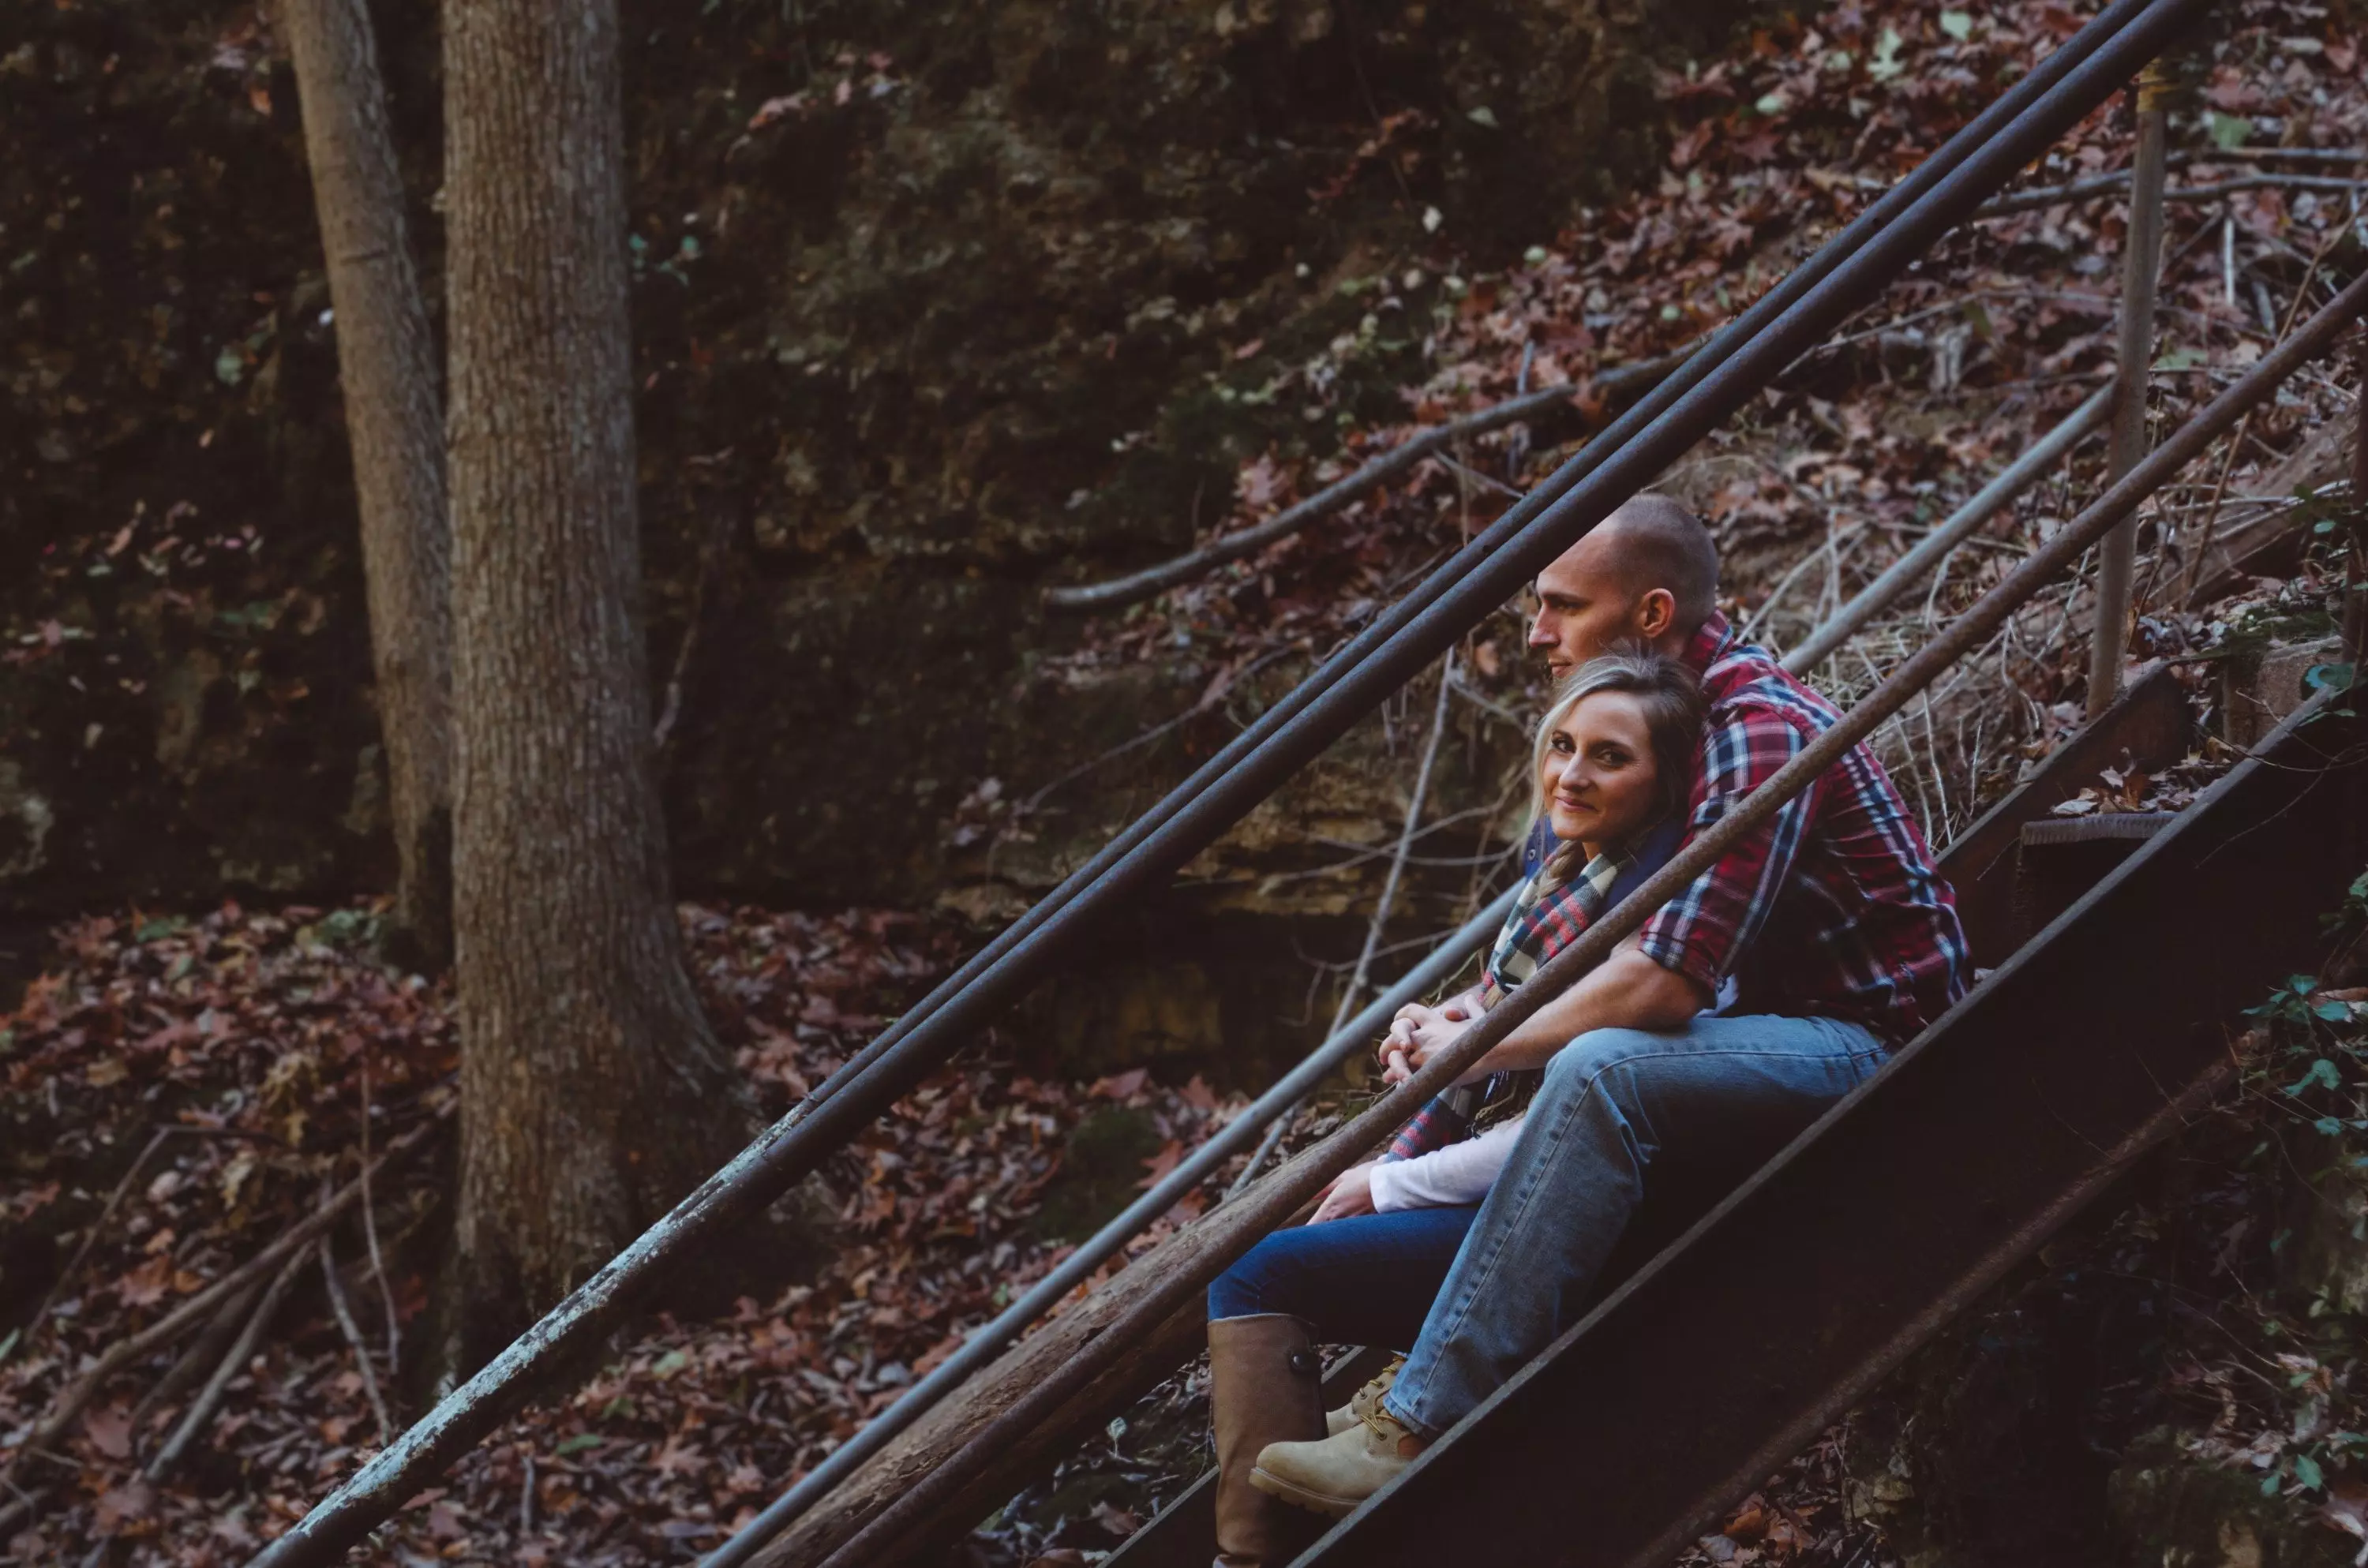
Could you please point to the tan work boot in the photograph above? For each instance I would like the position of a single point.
(1263, 1389)
(1366, 1398)
(1334, 1475)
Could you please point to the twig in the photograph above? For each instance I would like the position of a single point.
(173, 1325)
(2192, 577)
(353, 1332)
(1208, 700)
(1625, 381)
(202, 1353)
(2107, 184)
(25, 1503)
(1351, 992)
(1783, 585)
(90, 1232)
(201, 1409)
(1465, 470)
(2272, 155)
(369, 1234)
(713, 553)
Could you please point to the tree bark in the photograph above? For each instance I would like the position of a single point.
(593, 1095)
(386, 361)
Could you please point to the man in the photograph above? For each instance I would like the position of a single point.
(1839, 938)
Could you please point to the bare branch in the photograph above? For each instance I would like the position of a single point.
(201, 1409)
(343, 1312)
(2106, 185)
(1625, 381)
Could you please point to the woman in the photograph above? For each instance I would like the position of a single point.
(1611, 778)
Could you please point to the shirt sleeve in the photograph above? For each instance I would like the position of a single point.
(1460, 1172)
(1704, 930)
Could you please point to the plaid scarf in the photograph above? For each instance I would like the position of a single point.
(1547, 918)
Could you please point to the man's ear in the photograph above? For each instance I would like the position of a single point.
(1655, 613)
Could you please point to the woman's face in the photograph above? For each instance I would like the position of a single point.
(1601, 783)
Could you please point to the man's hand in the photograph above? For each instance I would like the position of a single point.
(1465, 1005)
(1351, 1192)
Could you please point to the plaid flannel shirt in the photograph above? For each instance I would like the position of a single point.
(1833, 908)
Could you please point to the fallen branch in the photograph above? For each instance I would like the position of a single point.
(369, 1234)
(201, 1409)
(23, 1504)
(173, 1325)
(2105, 185)
(343, 1312)
(1626, 380)
(90, 1232)
(204, 1351)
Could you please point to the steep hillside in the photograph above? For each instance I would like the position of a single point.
(934, 303)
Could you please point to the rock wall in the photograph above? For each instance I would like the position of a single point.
(934, 304)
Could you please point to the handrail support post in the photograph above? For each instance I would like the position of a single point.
(2141, 263)
(2355, 566)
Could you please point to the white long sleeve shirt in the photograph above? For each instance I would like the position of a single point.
(1460, 1172)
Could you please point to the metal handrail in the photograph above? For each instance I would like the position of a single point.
(1931, 214)
(2012, 480)
(985, 1344)
(1759, 344)
(1228, 1231)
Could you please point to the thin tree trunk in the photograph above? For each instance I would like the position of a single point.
(386, 360)
(593, 1094)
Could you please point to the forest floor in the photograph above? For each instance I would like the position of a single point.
(179, 1091)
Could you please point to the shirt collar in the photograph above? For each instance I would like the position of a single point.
(1711, 640)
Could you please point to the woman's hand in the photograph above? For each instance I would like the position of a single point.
(1417, 1034)
(1351, 1192)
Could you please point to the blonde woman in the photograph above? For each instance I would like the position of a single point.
(1611, 775)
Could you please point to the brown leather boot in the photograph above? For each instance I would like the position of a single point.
(1263, 1389)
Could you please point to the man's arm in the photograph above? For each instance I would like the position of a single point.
(1626, 990)
(1705, 930)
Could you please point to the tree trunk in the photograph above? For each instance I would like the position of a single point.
(386, 361)
(593, 1095)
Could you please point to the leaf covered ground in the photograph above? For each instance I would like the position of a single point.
(177, 1091)
(236, 1053)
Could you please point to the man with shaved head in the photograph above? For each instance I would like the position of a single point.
(1776, 983)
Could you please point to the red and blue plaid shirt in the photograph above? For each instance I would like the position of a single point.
(1832, 908)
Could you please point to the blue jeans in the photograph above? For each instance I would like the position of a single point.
(1720, 1093)
(1367, 1280)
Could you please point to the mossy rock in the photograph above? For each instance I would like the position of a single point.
(1101, 1171)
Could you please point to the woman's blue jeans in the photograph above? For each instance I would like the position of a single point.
(1367, 1280)
(1477, 1292)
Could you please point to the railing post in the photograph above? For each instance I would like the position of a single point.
(2141, 261)
(2355, 567)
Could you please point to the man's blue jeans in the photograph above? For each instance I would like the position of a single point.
(1719, 1092)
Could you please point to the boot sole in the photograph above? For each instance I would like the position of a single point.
(1300, 1497)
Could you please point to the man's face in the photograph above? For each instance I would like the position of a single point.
(1582, 605)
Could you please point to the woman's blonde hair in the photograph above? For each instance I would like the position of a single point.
(1672, 701)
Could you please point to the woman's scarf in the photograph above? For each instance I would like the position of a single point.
(1549, 915)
